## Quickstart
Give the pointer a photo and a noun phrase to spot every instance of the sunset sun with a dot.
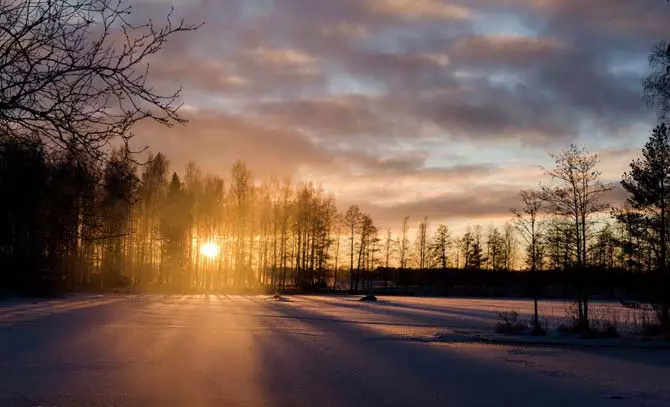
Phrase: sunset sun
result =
(210, 250)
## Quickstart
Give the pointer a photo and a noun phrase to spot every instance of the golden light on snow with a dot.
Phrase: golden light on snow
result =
(210, 250)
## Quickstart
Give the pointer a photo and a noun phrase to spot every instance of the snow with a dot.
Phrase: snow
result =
(231, 350)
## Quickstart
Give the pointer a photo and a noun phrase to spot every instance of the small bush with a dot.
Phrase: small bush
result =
(509, 323)
(651, 329)
(572, 325)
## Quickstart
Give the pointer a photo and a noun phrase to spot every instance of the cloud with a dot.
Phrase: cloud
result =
(420, 9)
(283, 57)
(345, 29)
(216, 140)
(201, 74)
(475, 204)
(513, 51)
(432, 106)
(348, 116)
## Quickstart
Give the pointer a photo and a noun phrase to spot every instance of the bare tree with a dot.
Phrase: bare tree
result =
(509, 246)
(529, 225)
(367, 237)
(352, 219)
(578, 196)
(74, 73)
(337, 226)
(388, 248)
(403, 243)
(422, 245)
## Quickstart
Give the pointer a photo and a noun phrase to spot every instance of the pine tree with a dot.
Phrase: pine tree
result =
(440, 247)
(648, 182)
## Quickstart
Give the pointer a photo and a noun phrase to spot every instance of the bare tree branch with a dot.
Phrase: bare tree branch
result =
(74, 73)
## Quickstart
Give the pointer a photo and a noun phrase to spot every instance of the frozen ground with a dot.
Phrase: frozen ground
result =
(307, 351)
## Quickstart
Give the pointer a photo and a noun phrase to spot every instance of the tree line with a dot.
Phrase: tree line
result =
(146, 225)
(76, 225)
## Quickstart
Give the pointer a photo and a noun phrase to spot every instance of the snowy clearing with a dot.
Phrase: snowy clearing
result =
(231, 350)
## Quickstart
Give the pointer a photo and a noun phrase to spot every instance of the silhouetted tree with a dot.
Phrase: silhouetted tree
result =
(577, 197)
(648, 182)
(509, 246)
(352, 219)
(440, 246)
(74, 74)
(473, 251)
(403, 243)
(636, 238)
(338, 222)
(657, 84)
(528, 223)
(24, 177)
(422, 245)
(151, 192)
(119, 189)
(495, 250)
(368, 238)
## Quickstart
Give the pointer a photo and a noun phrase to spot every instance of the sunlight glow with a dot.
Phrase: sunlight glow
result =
(210, 250)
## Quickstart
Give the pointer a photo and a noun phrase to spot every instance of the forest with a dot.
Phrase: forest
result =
(142, 225)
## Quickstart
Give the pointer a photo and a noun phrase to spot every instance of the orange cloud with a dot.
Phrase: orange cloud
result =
(420, 9)
(202, 73)
(345, 29)
(286, 57)
(512, 50)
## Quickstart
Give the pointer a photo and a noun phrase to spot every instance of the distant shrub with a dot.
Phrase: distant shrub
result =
(651, 329)
(509, 323)
(571, 323)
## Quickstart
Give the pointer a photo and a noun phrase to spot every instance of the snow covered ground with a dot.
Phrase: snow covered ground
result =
(210, 350)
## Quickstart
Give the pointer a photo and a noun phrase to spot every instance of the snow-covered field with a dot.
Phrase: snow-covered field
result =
(210, 350)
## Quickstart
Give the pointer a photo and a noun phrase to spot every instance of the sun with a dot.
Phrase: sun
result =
(210, 250)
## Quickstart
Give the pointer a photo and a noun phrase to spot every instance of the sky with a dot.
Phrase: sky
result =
(435, 108)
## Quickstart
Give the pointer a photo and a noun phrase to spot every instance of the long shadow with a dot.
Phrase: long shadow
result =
(439, 321)
(40, 354)
(482, 313)
(442, 310)
(63, 312)
(348, 366)
(330, 319)
(650, 357)
(490, 314)
(475, 319)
